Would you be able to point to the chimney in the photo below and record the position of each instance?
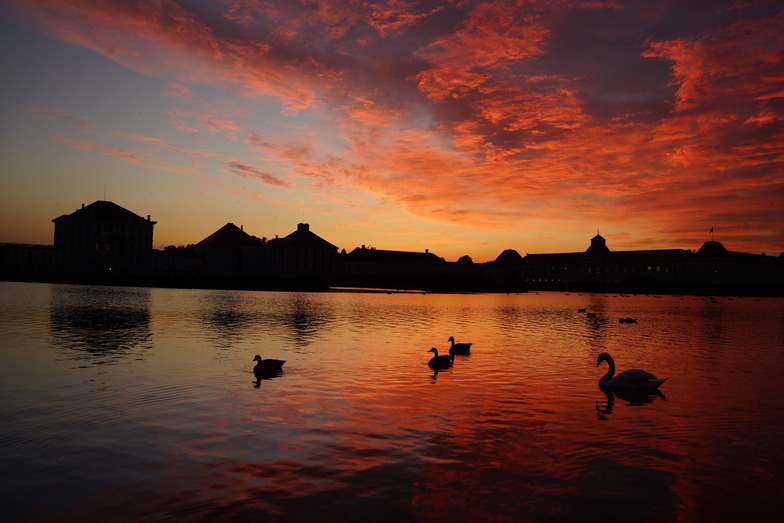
(303, 227)
(148, 217)
(427, 251)
(82, 206)
(241, 227)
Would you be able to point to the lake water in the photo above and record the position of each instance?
(138, 404)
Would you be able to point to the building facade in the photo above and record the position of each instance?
(712, 265)
(103, 237)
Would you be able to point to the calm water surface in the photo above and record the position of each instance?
(136, 404)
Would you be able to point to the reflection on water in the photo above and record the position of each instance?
(358, 426)
(99, 324)
(633, 398)
(302, 315)
(227, 316)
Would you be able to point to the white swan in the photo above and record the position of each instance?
(632, 379)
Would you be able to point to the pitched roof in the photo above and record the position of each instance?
(231, 235)
(103, 210)
(509, 256)
(302, 237)
(714, 249)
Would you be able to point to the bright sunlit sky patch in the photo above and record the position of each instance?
(463, 127)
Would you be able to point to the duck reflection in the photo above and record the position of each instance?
(100, 323)
(633, 398)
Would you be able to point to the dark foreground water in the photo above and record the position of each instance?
(135, 404)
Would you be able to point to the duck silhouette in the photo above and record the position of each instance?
(440, 362)
(628, 380)
(267, 368)
(461, 349)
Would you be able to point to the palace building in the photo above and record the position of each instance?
(106, 243)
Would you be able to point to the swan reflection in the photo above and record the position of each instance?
(633, 398)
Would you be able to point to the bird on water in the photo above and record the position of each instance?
(440, 362)
(461, 349)
(267, 368)
(629, 380)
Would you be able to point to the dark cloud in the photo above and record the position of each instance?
(248, 171)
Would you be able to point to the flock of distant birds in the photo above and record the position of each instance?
(632, 380)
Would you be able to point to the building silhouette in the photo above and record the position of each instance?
(228, 253)
(104, 243)
(103, 237)
(712, 266)
(302, 255)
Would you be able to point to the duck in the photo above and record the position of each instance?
(440, 362)
(267, 368)
(581, 310)
(627, 320)
(461, 349)
(628, 380)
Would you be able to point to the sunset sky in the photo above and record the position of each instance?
(462, 127)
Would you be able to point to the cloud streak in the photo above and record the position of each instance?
(76, 121)
(253, 173)
(127, 155)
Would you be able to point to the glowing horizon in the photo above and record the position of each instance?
(458, 127)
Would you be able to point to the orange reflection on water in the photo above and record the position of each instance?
(356, 426)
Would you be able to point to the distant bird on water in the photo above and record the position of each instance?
(267, 368)
(628, 380)
(440, 362)
(461, 349)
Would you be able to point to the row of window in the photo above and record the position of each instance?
(614, 269)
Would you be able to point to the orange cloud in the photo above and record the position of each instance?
(493, 115)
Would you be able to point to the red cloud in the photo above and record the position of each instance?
(490, 114)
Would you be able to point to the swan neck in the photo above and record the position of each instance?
(610, 370)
